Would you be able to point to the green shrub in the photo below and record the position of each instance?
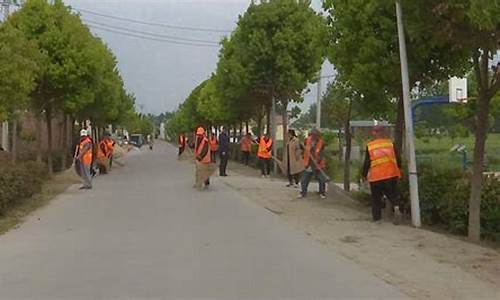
(434, 184)
(457, 210)
(57, 160)
(444, 197)
(18, 182)
(330, 138)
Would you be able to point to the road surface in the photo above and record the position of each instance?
(144, 233)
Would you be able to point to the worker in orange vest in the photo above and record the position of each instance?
(265, 143)
(246, 147)
(382, 170)
(214, 146)
(102, 158)
(314, 163)
(203, 158)
(181, 142)
(83, 159)
(110, 147)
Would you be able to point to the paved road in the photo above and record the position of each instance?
(143, 233)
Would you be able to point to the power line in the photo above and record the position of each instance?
(150, 38)
(150, 23)
(149, 33)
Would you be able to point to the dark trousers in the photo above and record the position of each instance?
(306, 178)
(213, 157)
(223, 163)
(246, 157)
(382, 188)
(295, 178)
(265, 166)
(291, 178)
(181, 149)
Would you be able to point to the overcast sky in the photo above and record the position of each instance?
(161, 74)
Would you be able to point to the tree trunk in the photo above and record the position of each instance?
(39, 143)
(241, 131)
(48, 119)
(284, 116)
(71, 133)
(399, 127)
(14, 141)
(482, 114)
(246, 127)
(259, 123)
(340, 144)
(348, 144)
(268, 119)
(64, 141)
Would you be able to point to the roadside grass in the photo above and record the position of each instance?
(53, 187)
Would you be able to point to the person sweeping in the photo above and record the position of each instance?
(314, 164)
(382, 170)
(292, 159)
(83, 159)
(203, 159)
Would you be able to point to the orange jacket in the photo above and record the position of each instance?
(85, 151)
(109, 146)
(320, 162)
(102, 149)
(246, 144)
(202, 146)
(383, 162)
(182, 141)
(214, 144)
(264, 148)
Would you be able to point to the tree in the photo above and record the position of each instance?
(211, 106)
(307, 119)
(187, 116)
(472, 28)
(364, 48)
(277, 48)
(78, 75)
(341, 104)
(19, 60)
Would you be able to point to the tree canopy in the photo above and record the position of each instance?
(53, 65)
(275, 51)
(19, 65)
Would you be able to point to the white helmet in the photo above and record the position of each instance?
(83, 132)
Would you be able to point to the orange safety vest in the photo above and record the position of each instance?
(214, 145)
(109, 145)
(182, 141)
(86, 158)
(102, 149)
(207, 158)
(263, 146)
(383, 163)
(307, 153)
(246, 144)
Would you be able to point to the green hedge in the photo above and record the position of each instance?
(444, 196)
(18, 182)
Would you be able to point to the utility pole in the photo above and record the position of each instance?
(318, 104)
(273, 130)
(410, 142)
